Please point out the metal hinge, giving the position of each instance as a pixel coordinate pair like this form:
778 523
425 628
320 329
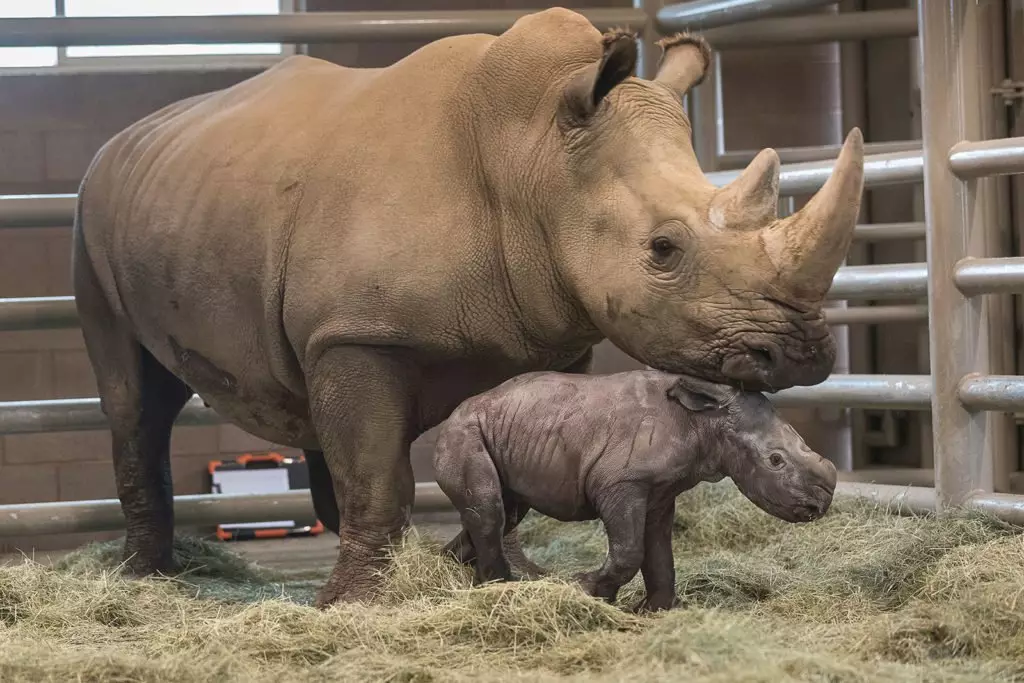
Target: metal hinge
1010 91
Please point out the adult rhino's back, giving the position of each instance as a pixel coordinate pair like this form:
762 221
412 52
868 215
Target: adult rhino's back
186 219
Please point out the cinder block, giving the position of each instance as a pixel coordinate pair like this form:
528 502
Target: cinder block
69 152
73 375
57 447
23 262
22 155
58 258
190 473
27 375
41 340
28 484
236 440
194 440
86 480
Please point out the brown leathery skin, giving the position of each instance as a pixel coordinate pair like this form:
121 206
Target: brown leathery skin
485 207
621 448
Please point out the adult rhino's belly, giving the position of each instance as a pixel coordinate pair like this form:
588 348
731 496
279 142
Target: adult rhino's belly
246 396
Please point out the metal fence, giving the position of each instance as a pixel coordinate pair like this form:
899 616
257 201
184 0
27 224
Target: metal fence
953 160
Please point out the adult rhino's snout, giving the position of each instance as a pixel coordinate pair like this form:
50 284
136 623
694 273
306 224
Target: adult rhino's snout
763 365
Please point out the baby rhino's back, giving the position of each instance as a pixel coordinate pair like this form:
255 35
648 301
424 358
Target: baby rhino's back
545 431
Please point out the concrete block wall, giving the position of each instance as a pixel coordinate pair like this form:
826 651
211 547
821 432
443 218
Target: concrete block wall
50 127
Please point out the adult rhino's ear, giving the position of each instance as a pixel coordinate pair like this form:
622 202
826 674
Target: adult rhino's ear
593 83
684 62
699 395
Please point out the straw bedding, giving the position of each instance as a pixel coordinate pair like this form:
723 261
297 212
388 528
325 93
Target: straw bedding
860 595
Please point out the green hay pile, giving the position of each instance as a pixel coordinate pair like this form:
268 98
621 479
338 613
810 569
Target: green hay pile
858 596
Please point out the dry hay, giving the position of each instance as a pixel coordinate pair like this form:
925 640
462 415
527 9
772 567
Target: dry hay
858 596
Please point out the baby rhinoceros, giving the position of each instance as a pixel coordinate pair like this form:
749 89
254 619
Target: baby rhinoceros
618 447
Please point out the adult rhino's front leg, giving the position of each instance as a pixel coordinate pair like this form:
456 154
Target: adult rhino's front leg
362 410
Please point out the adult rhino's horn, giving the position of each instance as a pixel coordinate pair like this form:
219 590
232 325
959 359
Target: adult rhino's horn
684 62
752 200
813 242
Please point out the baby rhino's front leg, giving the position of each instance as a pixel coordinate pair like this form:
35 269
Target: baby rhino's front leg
623 510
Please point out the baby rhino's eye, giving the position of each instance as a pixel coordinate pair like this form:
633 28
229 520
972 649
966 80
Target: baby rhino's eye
776 460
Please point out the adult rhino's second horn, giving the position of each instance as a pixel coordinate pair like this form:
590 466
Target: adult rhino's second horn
813 242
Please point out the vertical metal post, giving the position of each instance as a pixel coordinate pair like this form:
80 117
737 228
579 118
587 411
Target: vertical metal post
920 247
851 77
647 66
956 60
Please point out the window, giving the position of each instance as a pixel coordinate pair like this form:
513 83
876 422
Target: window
121 56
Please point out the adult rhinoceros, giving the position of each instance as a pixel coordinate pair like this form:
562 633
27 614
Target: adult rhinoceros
334 258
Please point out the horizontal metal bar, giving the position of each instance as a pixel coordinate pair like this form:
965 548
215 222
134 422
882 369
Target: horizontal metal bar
992 392
38 313
301 27
37 211
794 155
879 232
986 158
705 14
892 476
975 276
73 414
874 315
1008 507
915 500
892 281
817 28
807 178
898 392
921 500
887 281
194 510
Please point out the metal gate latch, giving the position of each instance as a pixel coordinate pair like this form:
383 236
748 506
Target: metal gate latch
1010 91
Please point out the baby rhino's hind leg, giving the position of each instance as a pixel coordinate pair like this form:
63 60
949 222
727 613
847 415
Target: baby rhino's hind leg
466 474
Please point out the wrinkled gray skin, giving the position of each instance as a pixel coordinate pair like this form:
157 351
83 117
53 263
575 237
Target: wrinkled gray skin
620 448
334 258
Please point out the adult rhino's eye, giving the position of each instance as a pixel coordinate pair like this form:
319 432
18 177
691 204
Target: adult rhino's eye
776 460
662 246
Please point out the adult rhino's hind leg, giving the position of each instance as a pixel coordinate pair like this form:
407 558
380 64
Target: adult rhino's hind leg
361 406
141 400
321 488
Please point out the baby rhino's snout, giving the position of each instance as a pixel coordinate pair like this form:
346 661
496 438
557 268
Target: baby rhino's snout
821 486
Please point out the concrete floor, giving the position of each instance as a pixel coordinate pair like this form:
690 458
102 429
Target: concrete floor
298 553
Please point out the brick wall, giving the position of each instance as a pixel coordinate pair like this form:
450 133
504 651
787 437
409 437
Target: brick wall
51 125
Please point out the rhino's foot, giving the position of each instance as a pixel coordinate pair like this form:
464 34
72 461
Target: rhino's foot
597 585
518 559
358 575
147 554
655 603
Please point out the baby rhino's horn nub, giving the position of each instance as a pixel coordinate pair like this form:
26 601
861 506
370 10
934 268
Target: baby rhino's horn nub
684 61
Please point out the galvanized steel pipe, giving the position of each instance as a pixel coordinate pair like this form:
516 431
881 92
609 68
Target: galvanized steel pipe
987 158
301 27
37 210
887 281
807 178
194 510
38 313
817 28
873 315
705 14
975 276
897 392
879 232
992 392
73 414
739 159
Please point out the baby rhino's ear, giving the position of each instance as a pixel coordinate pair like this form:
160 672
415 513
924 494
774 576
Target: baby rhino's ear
699 395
